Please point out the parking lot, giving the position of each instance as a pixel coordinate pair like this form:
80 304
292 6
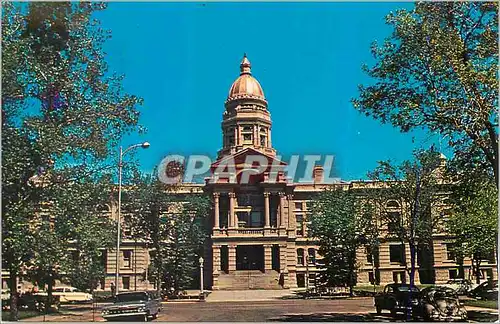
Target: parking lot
297 310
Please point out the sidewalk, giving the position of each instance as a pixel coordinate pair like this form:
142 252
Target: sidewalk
246 295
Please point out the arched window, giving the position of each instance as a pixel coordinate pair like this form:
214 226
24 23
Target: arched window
392 204
311 252
300 256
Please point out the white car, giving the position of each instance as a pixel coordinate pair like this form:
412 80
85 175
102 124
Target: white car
69 295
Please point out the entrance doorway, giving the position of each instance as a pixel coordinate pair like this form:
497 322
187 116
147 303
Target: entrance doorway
250 257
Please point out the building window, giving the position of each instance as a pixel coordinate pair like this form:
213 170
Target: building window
450 252
399 277
247 132
126 283
300 224
392 204
75 255
311 256
369 256
394 221
300 256
301 280
102 283
247 138
371 277
453 273
397 253
103 260
298 205
263 140
127 258
127 226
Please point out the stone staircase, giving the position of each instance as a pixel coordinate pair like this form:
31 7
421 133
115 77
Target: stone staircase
249 279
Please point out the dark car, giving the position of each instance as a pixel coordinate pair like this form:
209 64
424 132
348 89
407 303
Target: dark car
487 290
139 304
441 304
398 298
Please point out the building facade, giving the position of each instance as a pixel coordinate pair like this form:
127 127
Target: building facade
258 234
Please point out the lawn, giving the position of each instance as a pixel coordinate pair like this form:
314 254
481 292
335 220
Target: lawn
481 303
22 314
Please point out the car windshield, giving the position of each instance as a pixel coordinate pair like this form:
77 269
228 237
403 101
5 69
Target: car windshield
407 288
120 298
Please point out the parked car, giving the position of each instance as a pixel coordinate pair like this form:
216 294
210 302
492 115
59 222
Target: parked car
461 286
5 294
398 298
29 301
487 290
69 295
141 304
441 304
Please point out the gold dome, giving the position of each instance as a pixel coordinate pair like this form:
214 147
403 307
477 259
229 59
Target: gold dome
246 86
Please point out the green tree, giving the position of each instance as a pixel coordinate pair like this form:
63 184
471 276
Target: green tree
439 70
147 203
61 107
86 227
417 188
474 221
339 221
173 226
186 240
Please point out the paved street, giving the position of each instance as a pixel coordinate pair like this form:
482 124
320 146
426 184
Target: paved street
354 309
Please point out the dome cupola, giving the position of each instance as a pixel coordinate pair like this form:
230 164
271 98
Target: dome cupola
246 86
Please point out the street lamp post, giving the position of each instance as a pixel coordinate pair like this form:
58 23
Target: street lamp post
144 145
202 295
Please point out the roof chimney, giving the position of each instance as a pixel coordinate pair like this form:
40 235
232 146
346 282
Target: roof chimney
318 174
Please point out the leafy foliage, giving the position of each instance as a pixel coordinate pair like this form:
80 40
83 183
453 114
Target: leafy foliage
474 221
339 221
438 70
173 226
416 187
63 114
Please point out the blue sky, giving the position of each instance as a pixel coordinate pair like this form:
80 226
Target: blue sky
183 57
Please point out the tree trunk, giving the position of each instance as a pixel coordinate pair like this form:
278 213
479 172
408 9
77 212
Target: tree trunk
14 296
50 286
477 270
412 264
352 260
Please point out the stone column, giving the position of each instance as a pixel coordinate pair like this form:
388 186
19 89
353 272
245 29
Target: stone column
215 266
240 140
236 140
216 210
291 215
256 141
269 137
231 258
283 264
231 211
266 210
281 219
268 257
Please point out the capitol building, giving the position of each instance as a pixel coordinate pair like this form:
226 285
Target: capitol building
258 234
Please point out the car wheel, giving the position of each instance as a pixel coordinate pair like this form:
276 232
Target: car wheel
393 312
379 310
